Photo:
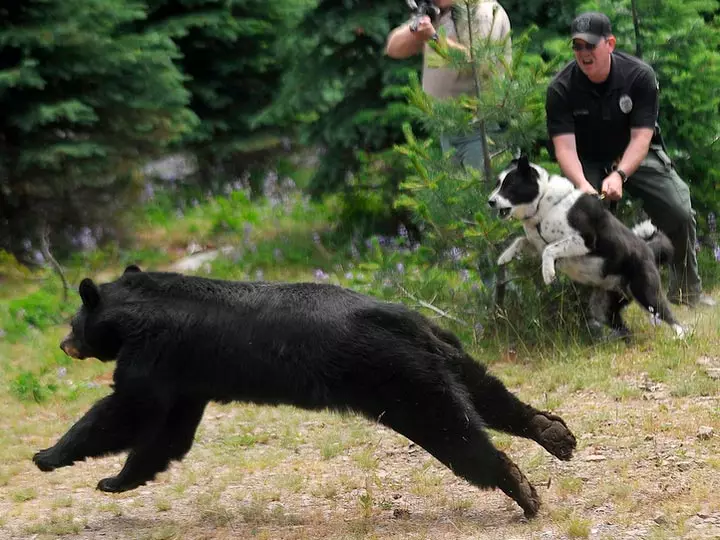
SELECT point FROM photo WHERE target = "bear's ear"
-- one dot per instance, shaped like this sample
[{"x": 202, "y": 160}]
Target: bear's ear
[
  {"x": 132, "y": 269},
  {"x": 89, "y": 293}
]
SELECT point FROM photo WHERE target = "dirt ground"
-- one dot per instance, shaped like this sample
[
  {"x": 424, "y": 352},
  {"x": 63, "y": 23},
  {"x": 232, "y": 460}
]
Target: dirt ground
[{"x": 641, "y": 471}]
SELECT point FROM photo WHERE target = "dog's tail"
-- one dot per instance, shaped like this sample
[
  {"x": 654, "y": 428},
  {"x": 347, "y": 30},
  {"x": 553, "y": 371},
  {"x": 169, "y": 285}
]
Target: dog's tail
[{"x": 657, "y": 240}]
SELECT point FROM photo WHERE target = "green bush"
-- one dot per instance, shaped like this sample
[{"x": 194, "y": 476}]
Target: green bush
[{"x": 39, "y": 310}]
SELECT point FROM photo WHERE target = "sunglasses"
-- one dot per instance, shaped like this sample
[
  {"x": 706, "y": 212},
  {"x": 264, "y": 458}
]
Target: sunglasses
[{"x": 583, "y": 47}]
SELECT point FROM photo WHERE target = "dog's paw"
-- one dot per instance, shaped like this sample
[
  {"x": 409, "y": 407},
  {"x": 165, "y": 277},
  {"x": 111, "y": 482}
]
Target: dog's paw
[
  {"x": 548, "y": 271},
  {"x": 47, "y": 460},
  {"x": 551, "y": 432},
  {"x": 506, "y": 257},
  {"x": 680, "y": 331}
]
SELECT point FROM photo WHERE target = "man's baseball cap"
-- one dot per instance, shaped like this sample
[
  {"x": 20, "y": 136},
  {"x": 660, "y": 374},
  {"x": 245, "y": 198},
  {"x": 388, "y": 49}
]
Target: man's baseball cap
[{"x": 591, "y": 27}]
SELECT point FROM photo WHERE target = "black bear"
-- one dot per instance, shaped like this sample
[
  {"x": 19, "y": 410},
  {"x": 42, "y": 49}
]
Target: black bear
[{"x": 182, "y": 341}]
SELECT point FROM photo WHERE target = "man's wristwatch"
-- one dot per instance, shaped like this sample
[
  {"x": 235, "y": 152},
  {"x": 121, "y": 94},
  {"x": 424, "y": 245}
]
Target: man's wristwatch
[{"x": 621, "y": 174}]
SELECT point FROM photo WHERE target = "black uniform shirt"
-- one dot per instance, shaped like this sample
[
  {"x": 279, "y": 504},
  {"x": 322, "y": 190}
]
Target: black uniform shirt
[{"x": 602, "y": 115}]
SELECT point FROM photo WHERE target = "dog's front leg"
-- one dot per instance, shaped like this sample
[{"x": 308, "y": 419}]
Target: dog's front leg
[
  {"x": 571, "y": 246},
  {"x": 518, "y": 245}
]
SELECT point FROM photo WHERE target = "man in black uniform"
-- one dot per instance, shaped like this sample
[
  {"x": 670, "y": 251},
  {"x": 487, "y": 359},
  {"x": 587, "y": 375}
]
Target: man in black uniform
[{"x": 602, "y": 113}]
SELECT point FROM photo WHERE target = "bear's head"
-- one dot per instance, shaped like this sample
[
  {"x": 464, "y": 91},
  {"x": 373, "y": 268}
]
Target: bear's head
[{"x": 94, "y": 333}]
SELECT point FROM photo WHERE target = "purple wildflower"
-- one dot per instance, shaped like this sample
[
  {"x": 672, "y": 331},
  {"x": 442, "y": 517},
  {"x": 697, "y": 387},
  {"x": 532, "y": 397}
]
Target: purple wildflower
[{"x": 320, "y": 275}]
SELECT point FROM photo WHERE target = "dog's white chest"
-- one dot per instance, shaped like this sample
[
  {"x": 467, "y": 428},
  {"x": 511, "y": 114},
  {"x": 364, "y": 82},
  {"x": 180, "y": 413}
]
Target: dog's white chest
[{"x": 554, "y": 225}]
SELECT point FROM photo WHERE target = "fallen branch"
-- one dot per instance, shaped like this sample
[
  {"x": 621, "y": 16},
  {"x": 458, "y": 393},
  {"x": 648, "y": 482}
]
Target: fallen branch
[
  {"x": 433, "y": 308},
  {"x": 45, "y": 250}
]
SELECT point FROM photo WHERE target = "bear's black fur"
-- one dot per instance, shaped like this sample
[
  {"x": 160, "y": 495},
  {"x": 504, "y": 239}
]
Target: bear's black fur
[{"x": 182, "y": 341}]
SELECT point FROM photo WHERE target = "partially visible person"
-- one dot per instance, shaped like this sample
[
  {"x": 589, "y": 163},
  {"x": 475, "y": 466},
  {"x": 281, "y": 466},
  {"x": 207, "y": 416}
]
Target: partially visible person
[
  {"x": 442, "y": 81},
  {"x": 602, "y": 112}
]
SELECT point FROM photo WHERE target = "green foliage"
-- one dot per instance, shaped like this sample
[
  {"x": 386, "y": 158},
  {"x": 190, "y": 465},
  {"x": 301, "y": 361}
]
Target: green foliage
[
  {"x": 233, "y": 213},
  {"x": 38, "y": 310},
  {"x": 27, "y": 387},
  {"x": 551, "y": 17},
  {"x": 341, "y": 90},
  {"x": 83, "y": 101}
]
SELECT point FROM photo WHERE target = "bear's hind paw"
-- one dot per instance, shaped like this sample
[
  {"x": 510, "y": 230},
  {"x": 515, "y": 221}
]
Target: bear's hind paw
[{"x": 114, "y": 484}]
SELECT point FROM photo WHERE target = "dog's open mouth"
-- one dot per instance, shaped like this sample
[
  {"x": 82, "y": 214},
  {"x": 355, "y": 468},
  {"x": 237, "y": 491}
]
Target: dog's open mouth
[{"x": 504, "y": 213}]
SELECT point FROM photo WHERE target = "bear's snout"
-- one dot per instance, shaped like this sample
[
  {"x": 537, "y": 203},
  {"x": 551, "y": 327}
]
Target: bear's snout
[{"x": 69, "y": 348}]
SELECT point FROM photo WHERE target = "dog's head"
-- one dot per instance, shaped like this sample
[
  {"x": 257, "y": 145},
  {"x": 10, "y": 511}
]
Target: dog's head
[{"x": 519, "y": 189}]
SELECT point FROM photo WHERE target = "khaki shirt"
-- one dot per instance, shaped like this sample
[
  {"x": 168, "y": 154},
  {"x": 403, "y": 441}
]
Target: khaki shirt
[{"x": 443, "y": 82}]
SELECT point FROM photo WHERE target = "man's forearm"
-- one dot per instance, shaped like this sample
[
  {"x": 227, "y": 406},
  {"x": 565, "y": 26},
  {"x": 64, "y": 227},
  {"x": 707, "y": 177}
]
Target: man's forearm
[
  {"x": 403, "y": 43},
  {"x": 636, "y": 151},
  {"x": 570, "y": 165}
]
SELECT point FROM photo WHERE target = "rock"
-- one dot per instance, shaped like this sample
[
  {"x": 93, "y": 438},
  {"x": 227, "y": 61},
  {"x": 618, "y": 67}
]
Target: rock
[
  {"x": 711, "y": 365},
  {"x": 705, "y": 433},
  {"x": 595, "y": 457},
  {"x": 195, "y": 262}
]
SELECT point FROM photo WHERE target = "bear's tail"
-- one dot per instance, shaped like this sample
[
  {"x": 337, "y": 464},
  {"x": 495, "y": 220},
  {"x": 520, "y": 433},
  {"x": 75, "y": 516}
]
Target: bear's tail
[{"x": 657, "y": 241}]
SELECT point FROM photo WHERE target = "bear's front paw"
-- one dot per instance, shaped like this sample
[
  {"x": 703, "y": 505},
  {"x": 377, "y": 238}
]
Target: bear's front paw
[
  {"x": 115, "y": 484},
  {"x": 551, "y": 432},
  {"x": 47, "y": 460}
]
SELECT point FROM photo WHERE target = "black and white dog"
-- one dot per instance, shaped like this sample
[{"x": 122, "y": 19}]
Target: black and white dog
[{"x": 574, "y": 232}]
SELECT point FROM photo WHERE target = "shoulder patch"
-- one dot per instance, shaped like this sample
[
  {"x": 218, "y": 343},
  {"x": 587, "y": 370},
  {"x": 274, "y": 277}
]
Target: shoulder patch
[{"x": 626, "y": 103}]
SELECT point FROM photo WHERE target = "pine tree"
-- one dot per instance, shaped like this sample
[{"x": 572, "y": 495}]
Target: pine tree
[
  {"x": 341, "y": 87},
  {"x": 450, "y": 204},
  {"x": 82, "y": 102},
  {"x": 230, "y": 58}
]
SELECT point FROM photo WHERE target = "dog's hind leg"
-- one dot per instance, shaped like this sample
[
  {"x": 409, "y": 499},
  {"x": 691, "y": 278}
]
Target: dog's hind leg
[
  {"x": 439, "y": 417},
  {"x": 500, "y": 409},
  {"x": 646, "y": 288},
  {"x": 615, "y": 303}
]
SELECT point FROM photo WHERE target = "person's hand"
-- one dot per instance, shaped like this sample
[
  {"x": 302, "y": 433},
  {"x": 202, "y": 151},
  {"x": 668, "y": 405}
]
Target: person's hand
[
  {"x": 612, "y": 187},
  {"x": 425, "y": 30},
  {"x": 588, "y": 188}
]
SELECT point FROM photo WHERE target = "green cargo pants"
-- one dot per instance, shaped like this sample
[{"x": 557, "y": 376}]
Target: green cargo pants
[
  {"x": 666, "y": 200},
  {"x": 468, "y": 149}
]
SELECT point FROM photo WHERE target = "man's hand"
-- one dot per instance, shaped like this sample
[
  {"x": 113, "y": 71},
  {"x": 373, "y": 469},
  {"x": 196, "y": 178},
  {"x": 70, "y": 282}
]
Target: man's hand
[
  {"x": 425, "y": 30},
  {"x": 588, "y": 188},
  {"x": 612, "y": 186}
]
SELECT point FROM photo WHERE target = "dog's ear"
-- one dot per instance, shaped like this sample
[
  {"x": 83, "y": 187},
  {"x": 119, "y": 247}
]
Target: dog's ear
[
  {"x": 132, "y": 269},
  {"x": 523, "y": 164},
  {"x": 89, "y": 293}
]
